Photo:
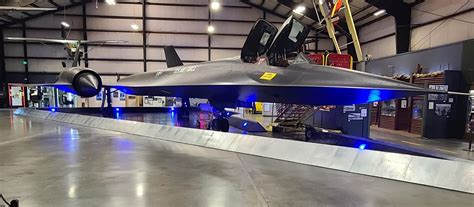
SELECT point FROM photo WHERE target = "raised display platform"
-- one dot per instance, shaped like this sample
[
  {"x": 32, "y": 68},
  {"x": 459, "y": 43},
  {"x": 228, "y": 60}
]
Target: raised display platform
[{"x": 447, "y": 174}]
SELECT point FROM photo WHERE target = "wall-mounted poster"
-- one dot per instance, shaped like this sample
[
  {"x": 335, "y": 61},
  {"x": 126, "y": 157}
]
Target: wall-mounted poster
[
  {"x": 443, "y": 109},
  {"x": 431, "y": 105},
  {"x": 122, "y": 95},
  {"x": 349, "y": 108},
  {"x": 355, "y": 117},
  {"x": 99, "y": 96},
  {"x": 438, "y": 97},
  {"x": 403, "y": 104}
]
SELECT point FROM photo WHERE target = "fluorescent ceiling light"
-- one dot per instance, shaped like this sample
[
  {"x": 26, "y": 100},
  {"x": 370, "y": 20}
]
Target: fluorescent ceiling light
[
  {"x": 299, "y": 9},
  {"x": 110, "y": 2},
  {"x": 379, "y": 12},
  {"x": 215, "y": 5},
  {"x": 65, "y": 24},
  {"x": 134, "y": 26},
  {"x": 211, "y": 29}
]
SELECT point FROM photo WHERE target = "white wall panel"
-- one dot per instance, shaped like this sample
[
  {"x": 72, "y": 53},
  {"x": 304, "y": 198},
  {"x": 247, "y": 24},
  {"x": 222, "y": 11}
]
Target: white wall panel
[
  {"x": 14, "y": 65},
  {"x": 38, "y": 33},
  {"x": 39, "y": 50},
  {"x": 109, "y": 80},
  {"x": 273, "y": 18},
  {"x": 177, "y": 26},
  {"x": 232, "y": 27},
  {"x": 116, "y": 10},
  {"x": 381, "y": 48},
  {"x": 177, "y": 12},
  {"x": 232, "y": 3},
  {"x": 13, "y": 49},
  {"x": 439, "y": 33},
  {"x": 196, "y": 2},
  {"x": 379, "y": 29},
  {"x": 217, "y": 54},
  {"x": 434, "y": 9},
  {"x": 117, "y": 52},
  {"x": 112, "y": 24},
  {"x": 116, "y": 67},
  {"x": 227, "y": 41},
  {"x": 177, "y": 40},
  {"x": 231, "y": 13},
  {"x": 184, "y": 54},
  {"x": 132, "y": 38},
  {"x": 12, "y": 32},
  {"x": 325, "y": 44},
  {"x": 155, "y": 66},
  {"x": 54, "y": 21},
  {"x": 45, "y": 65}
]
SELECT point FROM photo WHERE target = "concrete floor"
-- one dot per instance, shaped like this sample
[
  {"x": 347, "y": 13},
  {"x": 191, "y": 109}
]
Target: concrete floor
[
  {"x": 451, "y": 147},
  {"x": 47, "y": 163}
]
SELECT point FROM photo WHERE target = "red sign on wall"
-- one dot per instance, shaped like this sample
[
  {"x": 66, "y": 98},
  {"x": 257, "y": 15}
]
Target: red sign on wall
[
  {"x": 339, "y": 60},
  {"x": 317, "y": 58}
]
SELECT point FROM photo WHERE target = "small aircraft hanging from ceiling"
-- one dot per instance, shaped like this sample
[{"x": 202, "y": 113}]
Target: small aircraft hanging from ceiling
[{"x": 261, "y": 74}]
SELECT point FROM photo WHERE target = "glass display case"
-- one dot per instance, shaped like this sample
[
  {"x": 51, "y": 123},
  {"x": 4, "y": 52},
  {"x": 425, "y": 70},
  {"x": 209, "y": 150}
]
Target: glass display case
[
  {"x": 389, "y": 108},
  {"x": 417, "y": 110}
]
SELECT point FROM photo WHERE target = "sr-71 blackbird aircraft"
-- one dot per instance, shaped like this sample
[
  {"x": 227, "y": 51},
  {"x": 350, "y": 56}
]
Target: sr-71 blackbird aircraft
[{"x": 262, "y": 73}]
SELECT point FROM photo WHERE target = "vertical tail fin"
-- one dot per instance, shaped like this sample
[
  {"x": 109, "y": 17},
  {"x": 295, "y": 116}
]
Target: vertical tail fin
[{"x": 172, "y": 58}]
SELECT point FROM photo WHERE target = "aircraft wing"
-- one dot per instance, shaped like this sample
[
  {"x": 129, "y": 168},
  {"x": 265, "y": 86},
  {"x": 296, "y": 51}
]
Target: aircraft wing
[{"x": 231, "y": 82}]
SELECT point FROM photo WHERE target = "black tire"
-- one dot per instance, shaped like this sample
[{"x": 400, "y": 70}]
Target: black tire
[
  {"x": 224, "y": 125},
  {"x": 308, "y": 134},
  {"x": 14, "y": 203}
]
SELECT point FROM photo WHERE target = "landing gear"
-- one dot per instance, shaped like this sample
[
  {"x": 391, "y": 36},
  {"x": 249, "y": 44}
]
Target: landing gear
[
  {"x": 219, "y": 124},
  {"x": 309, "y": 133}
]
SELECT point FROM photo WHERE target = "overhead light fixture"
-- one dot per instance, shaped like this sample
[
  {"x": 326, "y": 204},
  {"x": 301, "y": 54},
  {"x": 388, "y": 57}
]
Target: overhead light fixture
[
  {"x": 299, "y": 9},
  {"x": 65, "y": 24},
  {"x": 211, "y": 29},
  {"x": 321, "y": 2},
  {"x": 134, "y": 26},
  {"x": 110, "y": 2},
  {"x": 215, "y": 5},
  {"x": 379, "y": 12}
]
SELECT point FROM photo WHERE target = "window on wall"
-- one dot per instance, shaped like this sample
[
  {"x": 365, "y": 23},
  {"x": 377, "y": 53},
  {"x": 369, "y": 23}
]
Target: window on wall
[
  {"x": 417, "y": 111},
  {"x": 389, "y": 108}
]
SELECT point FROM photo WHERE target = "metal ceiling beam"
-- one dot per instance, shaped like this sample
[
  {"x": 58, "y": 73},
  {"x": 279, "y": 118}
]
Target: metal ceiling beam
[
  {"x": 401, "y": 11},
  {"x": 43, "y": 14}
]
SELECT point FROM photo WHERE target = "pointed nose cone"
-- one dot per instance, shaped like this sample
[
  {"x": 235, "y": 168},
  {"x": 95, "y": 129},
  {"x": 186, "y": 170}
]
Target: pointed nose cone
[
  {"x": 87, "y": 85},
  {"x": 89, "y": 81}
]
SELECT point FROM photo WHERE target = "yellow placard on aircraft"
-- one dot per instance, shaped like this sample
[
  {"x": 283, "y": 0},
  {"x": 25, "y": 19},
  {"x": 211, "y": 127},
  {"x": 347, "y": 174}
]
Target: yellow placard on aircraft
[{"x": 268, "y": 76}]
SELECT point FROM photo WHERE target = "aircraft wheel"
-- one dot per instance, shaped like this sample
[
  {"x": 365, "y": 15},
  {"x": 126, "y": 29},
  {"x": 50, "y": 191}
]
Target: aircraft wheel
[
  {"x": 219, "y": 124},
  {"x": 224, "y": 125},
  {"x": 308, "y": 133}
]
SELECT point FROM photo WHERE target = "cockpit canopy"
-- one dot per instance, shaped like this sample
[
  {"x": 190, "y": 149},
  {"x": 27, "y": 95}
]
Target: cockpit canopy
[{"x": 264, "y": 38}]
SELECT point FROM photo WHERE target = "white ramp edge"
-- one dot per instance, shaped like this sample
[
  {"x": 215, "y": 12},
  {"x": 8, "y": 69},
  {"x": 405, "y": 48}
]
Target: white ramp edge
[{"x": 447, "y": 174}]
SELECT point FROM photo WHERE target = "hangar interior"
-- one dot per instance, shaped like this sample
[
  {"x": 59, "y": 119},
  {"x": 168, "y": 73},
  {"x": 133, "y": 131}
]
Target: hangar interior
[{"x": 394, "y": 119}]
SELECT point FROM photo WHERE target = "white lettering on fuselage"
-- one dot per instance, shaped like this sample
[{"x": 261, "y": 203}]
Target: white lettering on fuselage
[{"x": 185, "y": 69}]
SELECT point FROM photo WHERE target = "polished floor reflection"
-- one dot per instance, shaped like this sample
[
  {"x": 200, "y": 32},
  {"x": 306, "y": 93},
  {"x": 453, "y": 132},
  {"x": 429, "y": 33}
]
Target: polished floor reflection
[{"x": 45, "y": 163}]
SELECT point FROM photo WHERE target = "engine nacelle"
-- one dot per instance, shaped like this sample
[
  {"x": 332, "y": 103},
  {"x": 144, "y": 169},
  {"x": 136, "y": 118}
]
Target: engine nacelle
[{"x": 83, "y": 81}]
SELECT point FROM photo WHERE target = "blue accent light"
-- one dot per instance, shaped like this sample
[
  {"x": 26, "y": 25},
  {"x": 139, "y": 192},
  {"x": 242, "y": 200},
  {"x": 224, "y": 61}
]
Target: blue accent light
[
  {"x": 117, "y": 109},
  {"x": 245, "y": 124},
  {"x": 228, "y": 113},
  {"x": 172, "y": 108},
  {"x": 53, "y": 109},
  {"x": 374, "y": 96},
  {"x": 362, "y": 146}
]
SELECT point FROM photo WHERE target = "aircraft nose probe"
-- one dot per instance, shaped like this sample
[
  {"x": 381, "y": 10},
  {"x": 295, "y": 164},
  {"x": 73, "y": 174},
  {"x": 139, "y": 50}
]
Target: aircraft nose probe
[{"x": 87, "y": 84}]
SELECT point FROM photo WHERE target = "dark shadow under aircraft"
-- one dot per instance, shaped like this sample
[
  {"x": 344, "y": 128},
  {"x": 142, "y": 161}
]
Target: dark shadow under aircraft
[{"x": 262, "y": 73}]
